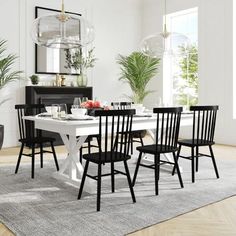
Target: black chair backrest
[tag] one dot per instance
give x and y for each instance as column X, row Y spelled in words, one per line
column 26, row 127
column 168, row 122
column 204, row 121
column 114, row 132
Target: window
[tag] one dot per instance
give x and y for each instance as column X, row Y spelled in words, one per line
column 180, row 72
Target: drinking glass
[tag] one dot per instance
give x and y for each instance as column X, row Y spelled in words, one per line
column 55, row 110
column 84, row 99
column 62, row 110
column 116, row 105
column 77, row 102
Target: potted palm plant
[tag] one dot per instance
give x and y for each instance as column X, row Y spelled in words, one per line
column 137, row 70
column 6, row 75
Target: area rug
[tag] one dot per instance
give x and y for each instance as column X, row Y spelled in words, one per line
column 46, row 206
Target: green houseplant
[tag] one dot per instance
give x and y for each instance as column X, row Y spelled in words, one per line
column 6, row 75
column 137, row 70
column 34, row 79
column 80, row 63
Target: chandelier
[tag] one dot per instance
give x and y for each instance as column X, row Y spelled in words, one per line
column 62, row 31
column 165, row 42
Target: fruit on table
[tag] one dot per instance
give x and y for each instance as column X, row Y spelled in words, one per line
column 91, row 104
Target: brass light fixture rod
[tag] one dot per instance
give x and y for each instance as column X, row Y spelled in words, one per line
column 63, row 17
column 165, row 34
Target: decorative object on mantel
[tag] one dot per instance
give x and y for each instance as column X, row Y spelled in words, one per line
column 6, row 75
column 80, row 63
column 62, row 30
column 63, row 82
column 58, row 80
column 165, row 42
column 34, row 79
column 137, row 70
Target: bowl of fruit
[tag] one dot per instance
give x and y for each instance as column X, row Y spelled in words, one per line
column 92, row 106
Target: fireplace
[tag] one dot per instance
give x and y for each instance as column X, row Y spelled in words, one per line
column 55, row 95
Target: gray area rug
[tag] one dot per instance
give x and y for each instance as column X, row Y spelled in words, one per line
column 46, row 206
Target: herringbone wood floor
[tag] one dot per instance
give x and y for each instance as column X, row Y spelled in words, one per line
column 218, row 219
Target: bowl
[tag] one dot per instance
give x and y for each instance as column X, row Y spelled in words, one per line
column 51, row 109
column 139, row 108
column 78, row 111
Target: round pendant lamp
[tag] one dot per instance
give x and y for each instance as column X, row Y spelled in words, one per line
column 62, row 31
column 165, row 43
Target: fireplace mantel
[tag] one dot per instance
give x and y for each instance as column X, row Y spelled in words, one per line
column 55, row 95
column 46, row 95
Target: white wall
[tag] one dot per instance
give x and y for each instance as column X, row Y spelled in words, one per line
column 215, row 55
column 117, row 27
column 120, row 25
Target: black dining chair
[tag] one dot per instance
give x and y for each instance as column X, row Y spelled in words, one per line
column 136, row 135
column 113, row 125
column 167, row 133
column 88, row 145
column 204, row 122
column 31, row 137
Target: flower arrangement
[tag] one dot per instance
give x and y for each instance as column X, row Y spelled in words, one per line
column 77, row 61
column 91, row 104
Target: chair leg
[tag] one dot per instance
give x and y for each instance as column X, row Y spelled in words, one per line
column 33, row 159
column 54, row 156
column 214, row 162
column 112, row 178
column 177, row 159
column 197, row 158
column 157, row 171
column 41, row 155
column 141, row 139
column 83, row 179
column 89, row 146
column 192, row 164
column 178, row 171
column 129, row 181
column 99, row 186
column 136, row 169
column 132, row 144
column 98, row 141
column 81, row 155
column 19, row 158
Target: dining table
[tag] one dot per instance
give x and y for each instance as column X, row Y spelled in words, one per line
column 74, row 133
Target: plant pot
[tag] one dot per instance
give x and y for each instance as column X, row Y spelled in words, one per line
column 1, row 135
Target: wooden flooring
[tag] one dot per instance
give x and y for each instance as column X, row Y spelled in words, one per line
column 217, row 219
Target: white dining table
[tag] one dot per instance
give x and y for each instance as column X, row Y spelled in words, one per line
column 74, row 134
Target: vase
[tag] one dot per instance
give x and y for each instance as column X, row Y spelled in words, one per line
column 82, row 80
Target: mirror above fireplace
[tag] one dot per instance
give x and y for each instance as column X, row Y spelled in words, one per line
column 50, row 60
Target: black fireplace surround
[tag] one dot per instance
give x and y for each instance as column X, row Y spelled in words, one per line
column 55, row 95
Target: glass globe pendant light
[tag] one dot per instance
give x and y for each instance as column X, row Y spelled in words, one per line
column 165, row 43
column 62, row 31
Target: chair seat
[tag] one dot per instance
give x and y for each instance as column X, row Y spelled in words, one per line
column 37, row 140
column 94, row 157
column 153, row 149
column 137, row 131
column 193, row 143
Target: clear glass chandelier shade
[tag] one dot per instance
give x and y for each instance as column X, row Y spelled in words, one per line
column 165, row 44
column 62, row 31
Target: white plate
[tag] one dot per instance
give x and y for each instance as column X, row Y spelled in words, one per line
column 44, row 114
column 81, row 117
column 143, row 115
